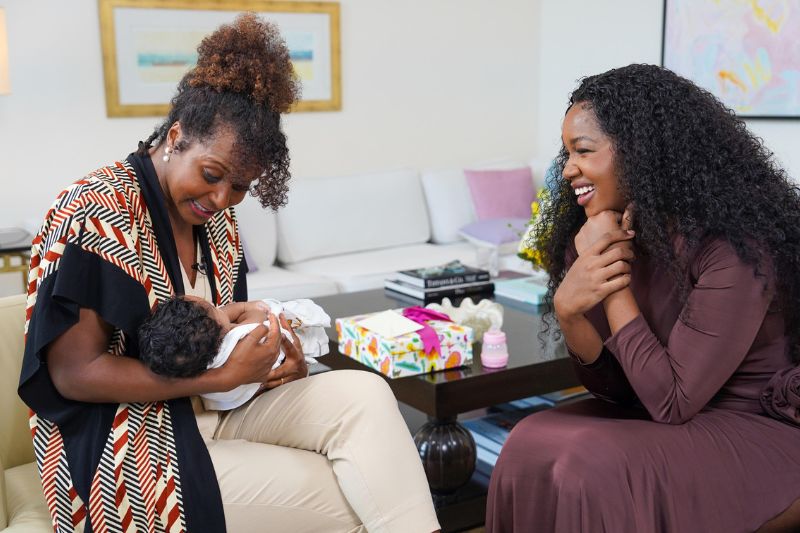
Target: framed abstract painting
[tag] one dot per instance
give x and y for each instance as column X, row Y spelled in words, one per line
column 148, row 45
column 745, row 53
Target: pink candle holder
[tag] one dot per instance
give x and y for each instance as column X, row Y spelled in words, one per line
column 494, row 353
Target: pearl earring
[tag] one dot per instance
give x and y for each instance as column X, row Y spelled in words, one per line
column 167, row 153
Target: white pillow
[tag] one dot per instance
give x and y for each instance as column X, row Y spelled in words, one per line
column 258, row 229
column 346, row 214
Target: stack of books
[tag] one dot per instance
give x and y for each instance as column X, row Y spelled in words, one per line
column 491, row 431
column 425, row 285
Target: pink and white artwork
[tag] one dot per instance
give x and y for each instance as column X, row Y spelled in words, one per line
column 746, row 52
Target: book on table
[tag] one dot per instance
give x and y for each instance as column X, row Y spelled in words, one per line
column 450, row 274
column 437, row 293
column 410, row 301
column 529, row 290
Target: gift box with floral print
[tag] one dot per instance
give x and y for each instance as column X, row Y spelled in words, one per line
column 405, row 355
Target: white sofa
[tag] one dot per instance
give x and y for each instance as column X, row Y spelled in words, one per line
column 349, row 233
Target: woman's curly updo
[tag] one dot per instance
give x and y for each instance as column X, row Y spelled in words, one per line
column 692, row 170
column 243, row 80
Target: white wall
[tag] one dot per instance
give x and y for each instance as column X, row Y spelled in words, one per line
column 425, row 82
column 583, row 37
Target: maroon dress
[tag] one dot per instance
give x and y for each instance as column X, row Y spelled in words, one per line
column 687, row 447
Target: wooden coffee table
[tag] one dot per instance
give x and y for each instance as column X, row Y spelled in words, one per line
column 446, row 447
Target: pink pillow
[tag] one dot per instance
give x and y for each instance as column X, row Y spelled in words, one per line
column 501, row 193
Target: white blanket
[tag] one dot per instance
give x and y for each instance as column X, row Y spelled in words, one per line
column 308, row 321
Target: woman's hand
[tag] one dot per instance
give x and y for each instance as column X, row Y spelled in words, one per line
column 294, row 366
column 595, row 227
column 598, row 272
column 251, row 361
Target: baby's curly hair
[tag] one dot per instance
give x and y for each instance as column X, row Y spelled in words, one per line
column 243, row 80
column 179, row 339
column 691, row 169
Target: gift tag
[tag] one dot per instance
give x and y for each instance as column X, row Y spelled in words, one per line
column 389, row 324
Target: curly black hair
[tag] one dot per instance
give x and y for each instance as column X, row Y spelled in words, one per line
column 691, row 169
column 179, row 339
column 243, row 80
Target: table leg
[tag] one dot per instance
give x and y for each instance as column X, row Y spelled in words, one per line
column 448, row 454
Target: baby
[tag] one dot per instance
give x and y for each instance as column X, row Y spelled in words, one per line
column 187, row 335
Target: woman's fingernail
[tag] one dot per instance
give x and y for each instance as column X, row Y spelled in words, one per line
column 631, row 232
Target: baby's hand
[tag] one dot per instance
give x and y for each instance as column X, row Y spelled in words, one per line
column 253, row 312
column 256, row 306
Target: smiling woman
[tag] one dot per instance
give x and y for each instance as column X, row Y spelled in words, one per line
column 673, row 246
column 124, row 448
column 590, row 168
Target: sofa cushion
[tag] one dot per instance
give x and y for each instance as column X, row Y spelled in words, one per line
column 341, row 215
column 501, row 233
column 501, row 193
column 496, row 231
column 27, row 509
column 259, row 231
column 282, row 284
column 449, row 201
column 368, row 270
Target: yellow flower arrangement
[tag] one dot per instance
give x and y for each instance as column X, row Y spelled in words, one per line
column 527, row 245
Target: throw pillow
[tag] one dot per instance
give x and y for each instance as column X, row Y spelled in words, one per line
column 501, row 233
column 501, row 193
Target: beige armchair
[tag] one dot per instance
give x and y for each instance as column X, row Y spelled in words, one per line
column 22, row 505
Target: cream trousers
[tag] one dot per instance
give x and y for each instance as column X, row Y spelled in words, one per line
column 328, row 453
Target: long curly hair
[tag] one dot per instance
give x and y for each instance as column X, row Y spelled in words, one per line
column 692, row 171
column 243, row 80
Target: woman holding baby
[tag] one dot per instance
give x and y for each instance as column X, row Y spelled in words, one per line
column 123, row 448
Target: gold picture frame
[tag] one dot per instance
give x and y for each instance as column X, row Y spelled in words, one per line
column 145, row 55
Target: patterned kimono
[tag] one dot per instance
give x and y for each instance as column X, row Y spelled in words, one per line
column 106, row 244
